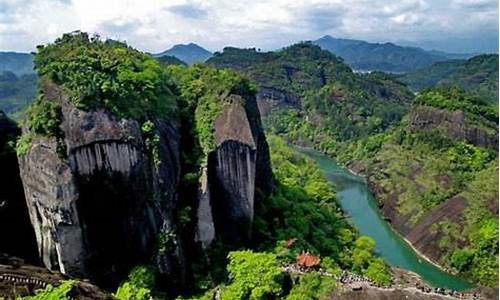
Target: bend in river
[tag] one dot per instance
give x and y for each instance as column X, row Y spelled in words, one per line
column 358, row 202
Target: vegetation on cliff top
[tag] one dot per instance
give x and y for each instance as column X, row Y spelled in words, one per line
column 96, row 73
column 106, row 74
column 203, row 92
column 456, row 99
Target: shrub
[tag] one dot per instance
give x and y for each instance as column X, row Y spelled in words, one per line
column 54, row 293
column 312, row 286
column 253, row 276
column 138, row 286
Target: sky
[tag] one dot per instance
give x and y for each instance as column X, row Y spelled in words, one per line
column 156, row 25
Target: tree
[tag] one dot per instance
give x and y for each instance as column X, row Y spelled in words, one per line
column 253, row 276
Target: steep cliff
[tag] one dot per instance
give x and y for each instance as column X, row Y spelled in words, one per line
column 100, row 161
column 435, row 177
column 453, row 124
column 101, row 207
column 238, row 168
column 14, row 220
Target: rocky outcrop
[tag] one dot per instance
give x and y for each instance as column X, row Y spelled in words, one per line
column 453, row 124
column 422, row 235
column 14, row 220
column 238, row 171
column 18, row 279
column 102, row 208
column 270, row 98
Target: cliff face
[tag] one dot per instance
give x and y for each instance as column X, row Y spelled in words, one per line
column 238, row 172
column 453, row 124
column 102, row 209
column 14, row 220
column 422, row 235
column 270, row 98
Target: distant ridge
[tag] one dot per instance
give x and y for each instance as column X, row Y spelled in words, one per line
column 478, row 75
column 385, row 57
column 189, row 53
column 16, row 62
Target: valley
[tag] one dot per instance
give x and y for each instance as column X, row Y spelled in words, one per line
column 192, row 175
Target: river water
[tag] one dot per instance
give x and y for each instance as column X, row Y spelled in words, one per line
column 360, row 205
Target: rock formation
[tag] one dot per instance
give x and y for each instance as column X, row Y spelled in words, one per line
column 453, row 124
column 270, row 98
column 238, row 171
column 104, row 207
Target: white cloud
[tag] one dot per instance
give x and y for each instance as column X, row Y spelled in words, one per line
column 153, row 25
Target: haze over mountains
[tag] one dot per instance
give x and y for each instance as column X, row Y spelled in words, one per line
column 358, row 54
column 387, row 57
column 18, row 63
column 423, row 68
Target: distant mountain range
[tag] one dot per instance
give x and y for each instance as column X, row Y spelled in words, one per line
column 17, row 63
column 478, row 74
column 385, row 57
column 189, row 53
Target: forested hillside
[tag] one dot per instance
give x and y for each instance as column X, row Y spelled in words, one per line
column 385, row 57
column 304, row 82
column 18, row 63
column 424, row 157
column 478, row 75
column 16, row 92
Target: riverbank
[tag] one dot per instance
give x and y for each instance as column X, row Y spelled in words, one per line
column 410, row 244
column 358, row 202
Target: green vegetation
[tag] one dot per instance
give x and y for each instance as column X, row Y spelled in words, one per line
column 204, row 91
column 426, row 169
column 337, row 104
column 167, row 60
column 456, row 99
column 95, row 73
column 138, row 286
column 252, row 276
column 477, row 75
column 152, row 141
column 302, row 208
column 16, row 92
column 166, row 242
column 311, row 286
column 43, row 118
column 54, row 293
column 360, row 119
column 301, row 191
column 106, row 74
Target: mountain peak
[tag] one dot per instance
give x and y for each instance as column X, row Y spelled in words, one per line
column 189, row 53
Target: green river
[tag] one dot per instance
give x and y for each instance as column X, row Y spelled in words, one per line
column 360, row 205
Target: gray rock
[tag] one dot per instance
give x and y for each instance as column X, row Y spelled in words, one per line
column 233, row 168
column 101, row 210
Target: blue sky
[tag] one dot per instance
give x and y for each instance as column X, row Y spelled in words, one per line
column 154, row 25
